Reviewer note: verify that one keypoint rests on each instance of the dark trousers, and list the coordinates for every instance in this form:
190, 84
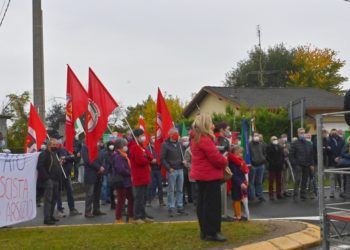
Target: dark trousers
92, 198
50, 198
156, 184
112, 197
301, 175
275, 176
187, 189
122, 194
209, 207
67, 184
140, 193
194, 191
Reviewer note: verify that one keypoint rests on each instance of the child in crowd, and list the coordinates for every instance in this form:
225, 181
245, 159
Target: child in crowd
239, 188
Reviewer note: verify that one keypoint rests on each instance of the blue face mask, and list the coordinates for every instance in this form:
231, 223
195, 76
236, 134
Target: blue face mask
302, 137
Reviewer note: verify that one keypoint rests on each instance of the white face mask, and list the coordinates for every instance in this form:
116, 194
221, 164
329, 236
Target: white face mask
275, 142
284, 139
125, 148
111, 147
186, 143
43, 147
142, 138
256, 138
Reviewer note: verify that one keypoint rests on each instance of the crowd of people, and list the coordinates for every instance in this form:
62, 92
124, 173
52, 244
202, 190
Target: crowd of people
128, 174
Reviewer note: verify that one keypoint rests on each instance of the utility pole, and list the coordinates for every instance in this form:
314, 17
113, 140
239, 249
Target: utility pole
260, 62
38, 60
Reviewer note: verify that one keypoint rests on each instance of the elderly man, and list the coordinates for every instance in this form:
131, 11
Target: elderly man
302, 160
171, 157
49, 172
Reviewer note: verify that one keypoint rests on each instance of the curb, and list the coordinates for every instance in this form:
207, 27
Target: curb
309, 237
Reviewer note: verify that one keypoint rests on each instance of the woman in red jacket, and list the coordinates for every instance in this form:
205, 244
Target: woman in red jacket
208, 170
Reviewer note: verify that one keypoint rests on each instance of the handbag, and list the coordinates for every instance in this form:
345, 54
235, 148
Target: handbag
227, 173
116, 181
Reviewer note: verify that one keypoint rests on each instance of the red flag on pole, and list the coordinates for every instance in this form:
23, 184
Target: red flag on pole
142, 125
77, 102
36, 134
164, 122
101, 105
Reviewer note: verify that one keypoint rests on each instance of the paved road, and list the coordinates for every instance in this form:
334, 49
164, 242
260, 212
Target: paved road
286, 208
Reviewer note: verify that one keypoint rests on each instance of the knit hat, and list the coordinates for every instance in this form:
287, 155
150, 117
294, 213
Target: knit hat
120, 143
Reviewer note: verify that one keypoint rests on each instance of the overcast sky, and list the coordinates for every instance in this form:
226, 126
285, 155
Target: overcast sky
178, 45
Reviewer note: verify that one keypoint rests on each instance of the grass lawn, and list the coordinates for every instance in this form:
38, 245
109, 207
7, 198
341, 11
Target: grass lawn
148, 236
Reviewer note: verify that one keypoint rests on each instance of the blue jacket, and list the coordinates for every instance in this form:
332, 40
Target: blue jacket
91, 168
237, 179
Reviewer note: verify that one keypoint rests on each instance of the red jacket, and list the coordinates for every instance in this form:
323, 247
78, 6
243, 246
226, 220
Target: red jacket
238, 161
140, 160
207, 162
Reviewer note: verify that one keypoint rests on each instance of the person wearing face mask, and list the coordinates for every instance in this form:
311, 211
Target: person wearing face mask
107, 195
302, 160
336, 144
256, 173
286, 170
93, 172
49, 172
171, 157
156, 186
275, 159
140, 161
121, 168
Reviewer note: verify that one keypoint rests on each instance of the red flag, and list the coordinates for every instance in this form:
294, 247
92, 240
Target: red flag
163, 124
36, 132
77, 102
101, 105
142, 125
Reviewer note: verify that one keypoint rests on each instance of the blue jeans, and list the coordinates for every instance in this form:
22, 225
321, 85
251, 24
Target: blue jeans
156, 184
175, 184
256, 177
105, 196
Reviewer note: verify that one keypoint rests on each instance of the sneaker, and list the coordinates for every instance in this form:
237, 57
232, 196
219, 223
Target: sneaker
49, 222
217, 237
148, 220
89, 215
138, 221
331, 196
119, 221
171, 213
243, 218
74, 212
181, 211
262, 199
61, 214
54, 219
98, 213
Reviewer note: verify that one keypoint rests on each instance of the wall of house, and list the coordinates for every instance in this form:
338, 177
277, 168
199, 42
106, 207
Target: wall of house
211, 104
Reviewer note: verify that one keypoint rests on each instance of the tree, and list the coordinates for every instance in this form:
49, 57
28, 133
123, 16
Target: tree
317, 68
277, 61
148, 110
56, 115
18, 130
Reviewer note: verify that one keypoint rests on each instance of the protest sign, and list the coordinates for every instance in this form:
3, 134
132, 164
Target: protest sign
17, 188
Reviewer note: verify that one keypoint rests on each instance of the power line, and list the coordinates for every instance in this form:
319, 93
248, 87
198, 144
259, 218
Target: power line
3, 17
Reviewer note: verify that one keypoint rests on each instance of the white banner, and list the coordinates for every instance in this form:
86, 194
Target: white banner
17, 188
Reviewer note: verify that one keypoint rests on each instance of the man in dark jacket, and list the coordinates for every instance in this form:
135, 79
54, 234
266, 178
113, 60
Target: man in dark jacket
92, 181
171, 157
336, 144
49, 172
302, 160
156, 176
67, 164
256, 173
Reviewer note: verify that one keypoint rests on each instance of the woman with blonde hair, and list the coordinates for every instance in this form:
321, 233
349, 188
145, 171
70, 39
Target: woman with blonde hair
208, 171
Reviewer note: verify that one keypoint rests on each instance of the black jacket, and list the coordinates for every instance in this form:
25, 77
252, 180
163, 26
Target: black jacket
275, 157
154, 166
48, 166
223, 144
91, 169
170, 155
301, 154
